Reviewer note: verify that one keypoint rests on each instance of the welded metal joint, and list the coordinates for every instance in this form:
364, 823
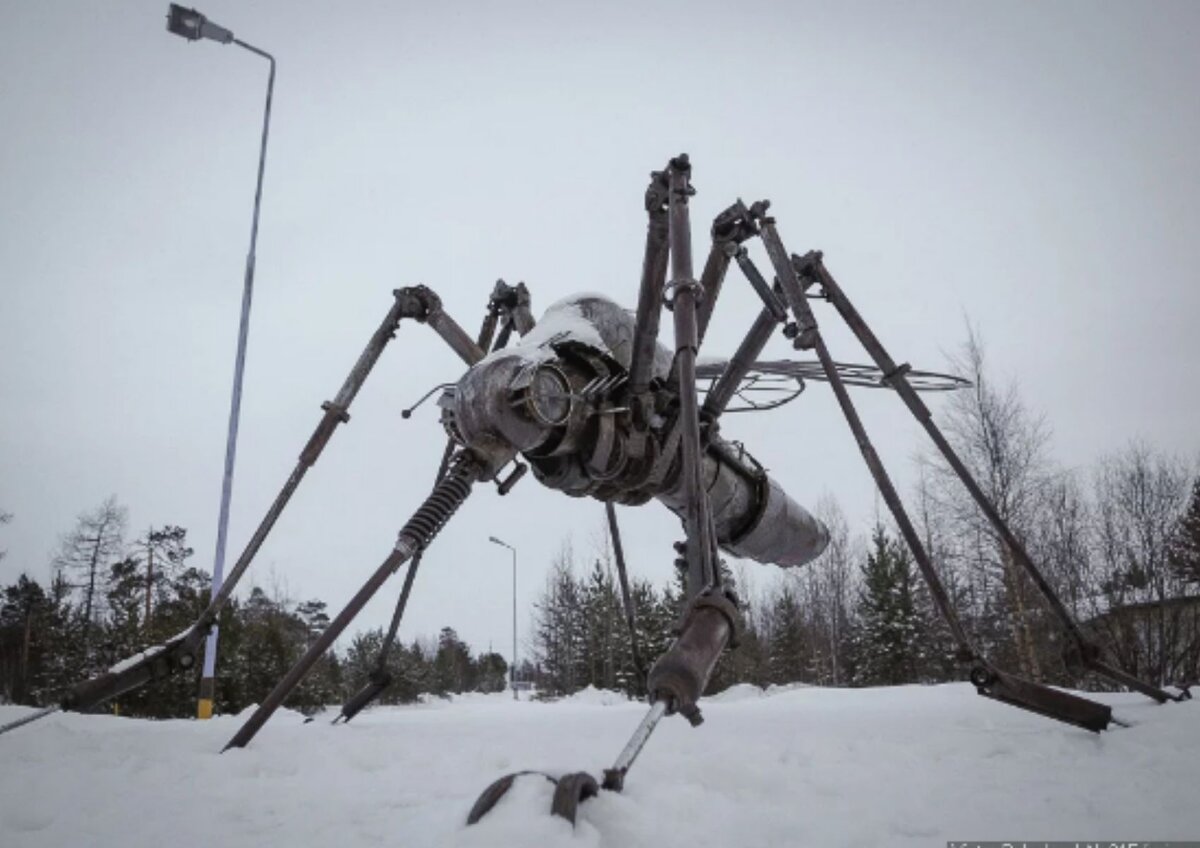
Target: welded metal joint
658, 193
418, 302
737, 224
512, 303
679, 677
674, 288
335, 414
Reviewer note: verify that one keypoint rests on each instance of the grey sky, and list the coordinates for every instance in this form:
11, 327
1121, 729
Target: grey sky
1031, 166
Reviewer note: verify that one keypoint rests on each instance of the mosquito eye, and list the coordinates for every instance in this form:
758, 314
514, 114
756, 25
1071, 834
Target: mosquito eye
550, 396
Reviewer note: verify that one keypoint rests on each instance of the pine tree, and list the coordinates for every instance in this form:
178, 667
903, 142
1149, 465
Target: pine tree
24, 615
602, 626
1184, 551
789, 651
560, 630
452, 666
888, 640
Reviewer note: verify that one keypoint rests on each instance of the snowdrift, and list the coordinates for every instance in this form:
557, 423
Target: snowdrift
903, 766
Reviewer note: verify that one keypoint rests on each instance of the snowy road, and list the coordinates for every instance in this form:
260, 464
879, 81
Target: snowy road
913, 766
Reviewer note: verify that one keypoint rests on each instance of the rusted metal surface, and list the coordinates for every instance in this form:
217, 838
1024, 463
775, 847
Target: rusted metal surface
1034, 697
571, 791
679, 676
650, 293
739, 365
447, 496
701, 570
495, 791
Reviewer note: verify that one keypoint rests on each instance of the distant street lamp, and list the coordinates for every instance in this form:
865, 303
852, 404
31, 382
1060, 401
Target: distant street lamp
512, 671
193, 26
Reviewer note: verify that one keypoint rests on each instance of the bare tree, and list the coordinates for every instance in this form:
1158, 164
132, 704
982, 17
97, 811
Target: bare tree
1141, 497
1004, 447
826, 587
86, 553
5, 517
1062, 542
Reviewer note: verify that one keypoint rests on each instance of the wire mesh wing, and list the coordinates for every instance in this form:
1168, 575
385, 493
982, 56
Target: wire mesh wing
771, 383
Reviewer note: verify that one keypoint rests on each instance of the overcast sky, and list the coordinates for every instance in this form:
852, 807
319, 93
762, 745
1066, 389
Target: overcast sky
1033, 168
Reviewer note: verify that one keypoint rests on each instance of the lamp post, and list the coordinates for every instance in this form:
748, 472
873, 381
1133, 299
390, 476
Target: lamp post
193, 26
512, 671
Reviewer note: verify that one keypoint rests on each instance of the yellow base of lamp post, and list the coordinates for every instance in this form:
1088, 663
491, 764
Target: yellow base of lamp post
204, 704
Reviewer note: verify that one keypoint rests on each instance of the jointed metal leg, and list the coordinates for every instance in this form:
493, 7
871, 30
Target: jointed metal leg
812, 268
649, 309
677, 680
447, 496
989, 680
512, 304
380, 678
180, 653
626, 597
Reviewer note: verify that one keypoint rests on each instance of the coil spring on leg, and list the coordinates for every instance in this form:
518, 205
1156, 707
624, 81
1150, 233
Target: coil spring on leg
447, 496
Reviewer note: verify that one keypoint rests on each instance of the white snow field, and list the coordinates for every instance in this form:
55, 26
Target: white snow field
913, 766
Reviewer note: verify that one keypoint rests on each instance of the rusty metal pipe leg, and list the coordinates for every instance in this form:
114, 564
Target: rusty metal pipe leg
180, 653
743, 360
712, 278
650, 293
701, 568
815, 268
298, 671
447, 496
989, 681
379, 678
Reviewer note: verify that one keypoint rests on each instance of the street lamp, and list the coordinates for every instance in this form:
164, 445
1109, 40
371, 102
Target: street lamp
193, 26
512, 672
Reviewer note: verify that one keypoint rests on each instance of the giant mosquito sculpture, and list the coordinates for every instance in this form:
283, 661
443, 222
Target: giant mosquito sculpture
597, 407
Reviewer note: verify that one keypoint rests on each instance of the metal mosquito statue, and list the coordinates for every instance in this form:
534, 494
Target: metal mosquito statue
596, 406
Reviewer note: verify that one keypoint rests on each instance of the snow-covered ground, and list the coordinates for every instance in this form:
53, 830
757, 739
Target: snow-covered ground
904, 766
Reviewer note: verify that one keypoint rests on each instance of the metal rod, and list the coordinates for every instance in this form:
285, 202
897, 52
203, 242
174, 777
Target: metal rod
297, 672
487, 333
650, 293
380, 678
207, 681
455, 336
443, 501
336, 412
684, 286
410, 576
638, 741
512, 672
32, 717
711, 280
770, 301
894, 376
743, 360
626, 596
794, 292
1120, 676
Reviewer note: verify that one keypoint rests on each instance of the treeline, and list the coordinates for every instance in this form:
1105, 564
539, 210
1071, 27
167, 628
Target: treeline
108, 599
1119, 542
